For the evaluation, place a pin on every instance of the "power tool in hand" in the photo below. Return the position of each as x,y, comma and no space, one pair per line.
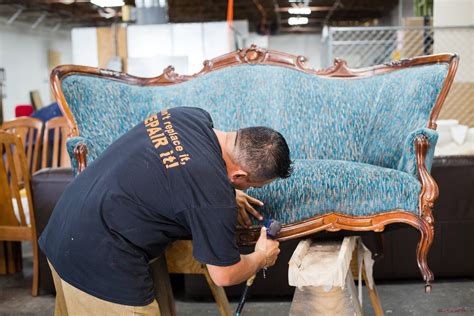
273,228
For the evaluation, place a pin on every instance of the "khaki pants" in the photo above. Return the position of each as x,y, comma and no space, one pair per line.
74,302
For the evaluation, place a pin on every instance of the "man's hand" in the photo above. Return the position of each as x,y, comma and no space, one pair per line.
269,247
264,256
244,206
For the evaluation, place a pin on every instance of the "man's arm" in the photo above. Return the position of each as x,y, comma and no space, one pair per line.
239,272
265,255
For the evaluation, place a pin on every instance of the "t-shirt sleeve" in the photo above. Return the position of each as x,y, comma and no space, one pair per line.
213,234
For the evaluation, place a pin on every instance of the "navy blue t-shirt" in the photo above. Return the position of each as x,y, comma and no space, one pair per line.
163,180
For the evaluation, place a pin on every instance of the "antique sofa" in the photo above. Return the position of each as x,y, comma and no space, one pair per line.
362,140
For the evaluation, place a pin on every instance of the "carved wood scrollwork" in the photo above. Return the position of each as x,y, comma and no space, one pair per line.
170,74
395,63
333,222
109,73
252,55
207,66
301,62
428,195
429,191
338,69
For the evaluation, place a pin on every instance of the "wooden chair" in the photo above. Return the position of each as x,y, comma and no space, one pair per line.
58,157
29,129
13,228
179,260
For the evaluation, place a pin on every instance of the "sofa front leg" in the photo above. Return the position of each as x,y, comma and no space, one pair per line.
428,195
426,229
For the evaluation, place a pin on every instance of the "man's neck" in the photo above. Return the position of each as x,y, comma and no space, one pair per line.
227,142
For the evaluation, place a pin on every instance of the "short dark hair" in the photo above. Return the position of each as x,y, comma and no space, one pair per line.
264,152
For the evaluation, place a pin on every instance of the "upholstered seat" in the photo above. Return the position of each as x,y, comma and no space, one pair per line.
363,140
320,186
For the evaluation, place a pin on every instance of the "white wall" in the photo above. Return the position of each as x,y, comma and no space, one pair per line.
453,12
84,47
151,48
24,55
459,40
308,45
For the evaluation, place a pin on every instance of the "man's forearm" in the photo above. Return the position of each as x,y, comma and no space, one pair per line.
239,272
251,264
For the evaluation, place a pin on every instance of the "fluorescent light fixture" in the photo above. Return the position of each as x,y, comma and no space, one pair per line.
299,10
298,21
108,3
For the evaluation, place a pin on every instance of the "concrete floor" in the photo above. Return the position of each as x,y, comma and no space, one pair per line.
449,297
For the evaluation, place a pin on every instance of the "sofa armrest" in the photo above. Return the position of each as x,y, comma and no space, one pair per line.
82,152
407,162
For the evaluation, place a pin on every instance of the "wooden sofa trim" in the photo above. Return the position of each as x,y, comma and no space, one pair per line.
423,221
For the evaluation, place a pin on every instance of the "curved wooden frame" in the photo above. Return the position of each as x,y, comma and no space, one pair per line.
330,222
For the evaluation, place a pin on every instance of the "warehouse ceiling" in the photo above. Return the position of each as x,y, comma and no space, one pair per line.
264,16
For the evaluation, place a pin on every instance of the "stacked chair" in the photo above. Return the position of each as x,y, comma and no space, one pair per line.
54,144
20,225
29,129
21,142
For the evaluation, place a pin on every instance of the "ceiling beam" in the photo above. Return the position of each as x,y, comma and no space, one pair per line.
39,20
14,16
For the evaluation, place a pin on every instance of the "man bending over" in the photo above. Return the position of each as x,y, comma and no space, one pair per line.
170,177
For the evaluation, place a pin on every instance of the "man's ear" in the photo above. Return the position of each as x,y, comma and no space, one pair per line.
238,175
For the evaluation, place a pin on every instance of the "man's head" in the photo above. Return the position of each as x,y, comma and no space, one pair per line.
258,156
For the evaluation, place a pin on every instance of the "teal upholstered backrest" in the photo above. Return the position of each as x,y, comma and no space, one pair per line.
363,119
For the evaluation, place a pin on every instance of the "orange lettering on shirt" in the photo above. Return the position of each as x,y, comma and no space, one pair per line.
166,154
151,118
169,159
172,165
153,124
153,131
160,141
157,136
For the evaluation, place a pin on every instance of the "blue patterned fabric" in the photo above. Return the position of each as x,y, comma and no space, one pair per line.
370,120
318,187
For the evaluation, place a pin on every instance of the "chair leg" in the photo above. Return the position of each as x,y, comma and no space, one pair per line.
426,229
373,295
34,290
163,291
10,257
219,295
